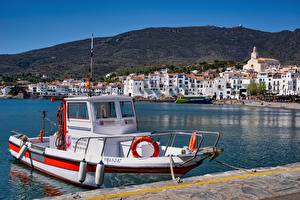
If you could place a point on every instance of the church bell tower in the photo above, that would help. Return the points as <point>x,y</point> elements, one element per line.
<point>254,53</point>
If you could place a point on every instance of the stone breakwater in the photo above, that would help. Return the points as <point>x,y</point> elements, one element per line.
<point>272,104</point>
<point>282,182</point>
<point>259,104</point>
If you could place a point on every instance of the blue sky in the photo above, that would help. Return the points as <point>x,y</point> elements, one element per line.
<point>32,24</point>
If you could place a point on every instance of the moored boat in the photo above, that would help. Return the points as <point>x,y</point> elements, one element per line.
<point>194,99</point>
<point>98,141</point>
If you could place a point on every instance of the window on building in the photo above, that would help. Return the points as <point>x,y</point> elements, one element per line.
<point>105,110</point>
<point>126,109</point>
<point>77,110</point>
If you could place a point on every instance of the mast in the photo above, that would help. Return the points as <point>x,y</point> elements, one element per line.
<point>92,54</point>
<point>90,76</point>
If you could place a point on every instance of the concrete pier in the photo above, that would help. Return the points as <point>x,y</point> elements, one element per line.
<point>282,182</point>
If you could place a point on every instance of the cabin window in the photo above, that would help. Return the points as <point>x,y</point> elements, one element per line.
<point>77,110</point>
<point>126,109</point>
<point>105,110</point>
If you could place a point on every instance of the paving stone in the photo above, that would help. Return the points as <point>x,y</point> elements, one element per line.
<point>264,186</point>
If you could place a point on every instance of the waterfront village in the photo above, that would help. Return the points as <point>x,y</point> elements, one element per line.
<point>265,74</point>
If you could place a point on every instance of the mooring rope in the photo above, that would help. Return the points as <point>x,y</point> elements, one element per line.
<point>171,167</point>
<point>234,167</point>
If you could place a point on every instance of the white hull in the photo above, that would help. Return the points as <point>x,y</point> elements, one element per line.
<point>122,172</point>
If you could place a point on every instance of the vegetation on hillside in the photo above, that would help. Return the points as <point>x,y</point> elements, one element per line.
<point>154,47</point>
<point>200,67</point>
<point>13,79</point>
<point>219,66</point>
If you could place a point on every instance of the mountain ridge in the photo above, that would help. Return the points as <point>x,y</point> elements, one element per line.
<point>155,46</point>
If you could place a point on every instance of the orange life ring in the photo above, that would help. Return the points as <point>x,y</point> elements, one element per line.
<point>144,139</point>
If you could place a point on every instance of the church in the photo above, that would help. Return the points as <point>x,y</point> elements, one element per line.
<point>260,64</point>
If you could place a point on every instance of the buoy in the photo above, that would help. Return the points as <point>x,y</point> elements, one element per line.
<point>193,142</point>
<point>41,135</point>
<point>88,84</point>
<point>144,139</point>
<point>52,99</point>
<point>82,171</point>
<point>22,151</point>
<point>99,174</point>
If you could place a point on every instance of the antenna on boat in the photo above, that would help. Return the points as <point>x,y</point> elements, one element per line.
<point>90,76</point>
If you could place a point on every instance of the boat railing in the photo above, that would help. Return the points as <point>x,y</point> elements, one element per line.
<point>172,135</point>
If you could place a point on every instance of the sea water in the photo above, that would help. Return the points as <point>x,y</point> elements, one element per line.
<point>251,137</point>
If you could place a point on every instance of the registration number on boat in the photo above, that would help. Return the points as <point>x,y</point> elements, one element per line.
<point>112,160</point>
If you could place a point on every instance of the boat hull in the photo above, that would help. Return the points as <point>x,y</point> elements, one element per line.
<point>194,100</point>
<point>67,170</point>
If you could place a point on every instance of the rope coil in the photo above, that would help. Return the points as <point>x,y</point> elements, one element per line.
<point>60,141</point>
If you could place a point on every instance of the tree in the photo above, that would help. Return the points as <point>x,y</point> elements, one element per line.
<point>261,89</point>
<point>16,90</point>
<point>252,89</point>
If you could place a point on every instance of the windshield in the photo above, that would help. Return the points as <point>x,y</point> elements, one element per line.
<point>105,110</point>
<point>126,109</point>
<point>77,110</point>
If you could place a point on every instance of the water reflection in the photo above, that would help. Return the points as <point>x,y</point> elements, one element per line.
<point>203,116</point>
<point>24,179</point>
<point>252,137</point>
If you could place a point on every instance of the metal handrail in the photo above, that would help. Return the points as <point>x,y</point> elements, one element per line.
<point>198,133</point>
<point>172,134</point>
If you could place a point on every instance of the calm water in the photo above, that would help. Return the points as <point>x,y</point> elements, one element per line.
<point>251,137</point>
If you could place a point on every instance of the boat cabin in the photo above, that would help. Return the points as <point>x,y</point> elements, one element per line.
<point>105,115</point>
<point>97,116</point>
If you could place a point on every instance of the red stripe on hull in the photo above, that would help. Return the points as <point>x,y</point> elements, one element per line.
<point>74,166</point>
<point>60,177</point>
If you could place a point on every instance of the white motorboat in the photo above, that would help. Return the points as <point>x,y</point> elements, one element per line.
<point>98,141</point>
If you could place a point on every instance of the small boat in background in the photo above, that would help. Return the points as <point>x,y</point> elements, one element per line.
<point>194,99</point>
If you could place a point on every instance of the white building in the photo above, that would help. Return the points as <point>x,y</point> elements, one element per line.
<point>45,89</point>
<point>298,86</point>
<point>114,89</point>
<point>5,90</point>
<point>260,64</point>
<point>152,85</point>
<point>38,89</point>
<point>289,83</point>
<point>134,85</point>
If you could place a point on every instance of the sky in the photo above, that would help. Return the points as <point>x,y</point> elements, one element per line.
<point>33,24</point>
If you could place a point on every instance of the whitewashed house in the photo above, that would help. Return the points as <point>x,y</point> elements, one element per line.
<point>289,83</point>
<point>114,89</point>
<point>5,90</point>
<point>134,85</point>
<point>152,85</point>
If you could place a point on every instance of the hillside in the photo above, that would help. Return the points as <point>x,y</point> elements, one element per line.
<point>155,46</point>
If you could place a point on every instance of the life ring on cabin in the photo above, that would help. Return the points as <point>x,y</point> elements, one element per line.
<point>144,139</point>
